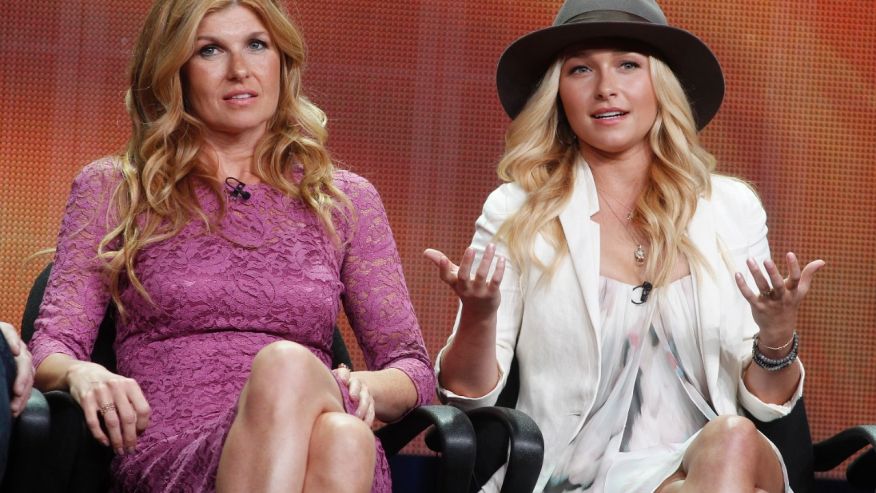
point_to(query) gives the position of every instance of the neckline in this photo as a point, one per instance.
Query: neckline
(617, 281)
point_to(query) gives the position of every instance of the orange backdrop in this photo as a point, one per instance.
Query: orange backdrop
(409, 89)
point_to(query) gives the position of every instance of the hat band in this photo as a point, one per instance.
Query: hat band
(606, 16)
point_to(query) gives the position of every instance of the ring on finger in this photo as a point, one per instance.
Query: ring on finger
(767, 293)
(107, 407)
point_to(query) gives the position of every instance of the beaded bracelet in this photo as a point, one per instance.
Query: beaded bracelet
(770, 364)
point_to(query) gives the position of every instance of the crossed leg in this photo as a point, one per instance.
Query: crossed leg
(729, 455)
(291, 432)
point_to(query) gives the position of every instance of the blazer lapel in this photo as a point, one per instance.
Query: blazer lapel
(582, 236)
(702, 232)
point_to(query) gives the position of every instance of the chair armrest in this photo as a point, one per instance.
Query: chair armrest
(27, 446)
(833, 451)
(862, 471)
(33, 424)
(451, 435)
(504, 432)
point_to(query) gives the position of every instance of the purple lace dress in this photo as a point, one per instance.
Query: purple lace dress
(269, 273)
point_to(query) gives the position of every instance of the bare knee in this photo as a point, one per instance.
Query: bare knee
(341, 439)
(733, 434)
(726, 440)
(730, 452)
(286, 374)
(345, 432)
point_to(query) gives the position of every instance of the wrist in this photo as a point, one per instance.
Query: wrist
(775, 358)
(75, 370)
(776, 344)
(471, 316)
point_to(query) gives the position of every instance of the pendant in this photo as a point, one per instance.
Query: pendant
(639, 255)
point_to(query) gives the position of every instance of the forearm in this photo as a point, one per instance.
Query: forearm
(392, 390)
(469, 366)
(53, 372)
(774, 342)
(772, 387)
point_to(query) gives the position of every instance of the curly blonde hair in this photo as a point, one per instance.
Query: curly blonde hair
(161, 167)
(540, 153)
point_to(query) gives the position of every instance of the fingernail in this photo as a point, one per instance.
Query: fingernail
(130, 450)
(120, 451)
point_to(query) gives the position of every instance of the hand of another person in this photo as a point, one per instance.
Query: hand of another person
(479, 294)
(117, 399)
(775, 308)
(358, 392)
(23, 367)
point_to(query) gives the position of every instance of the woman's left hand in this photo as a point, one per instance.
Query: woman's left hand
(359, 393)
(775, 308)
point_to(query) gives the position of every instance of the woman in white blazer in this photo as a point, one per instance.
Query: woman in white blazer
(621, 272)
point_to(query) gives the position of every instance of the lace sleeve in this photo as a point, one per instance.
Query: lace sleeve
(76, 297)
(376, 297)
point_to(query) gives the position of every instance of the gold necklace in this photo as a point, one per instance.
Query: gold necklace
(639, 254)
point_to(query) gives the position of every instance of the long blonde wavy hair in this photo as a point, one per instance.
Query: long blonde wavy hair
(540, 154)
(162, 163)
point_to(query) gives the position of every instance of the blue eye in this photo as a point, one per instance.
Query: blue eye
(257, 45)
(208, 51)
(579, 69)
(630, 65)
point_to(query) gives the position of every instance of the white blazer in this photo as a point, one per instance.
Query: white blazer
(554, 327)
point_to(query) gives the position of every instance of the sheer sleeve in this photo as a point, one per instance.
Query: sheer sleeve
(375, 295)
(76, 296)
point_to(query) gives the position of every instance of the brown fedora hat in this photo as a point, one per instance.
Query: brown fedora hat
(525, 61)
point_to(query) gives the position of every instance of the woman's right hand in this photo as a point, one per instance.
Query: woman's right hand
(480, 293)
(117, 399)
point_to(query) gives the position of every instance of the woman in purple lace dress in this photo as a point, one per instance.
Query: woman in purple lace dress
(228, 242)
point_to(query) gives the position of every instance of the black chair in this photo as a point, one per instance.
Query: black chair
(803, 458)
(502, 427)
(28, 441)
(790, 434)
(73, 461)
